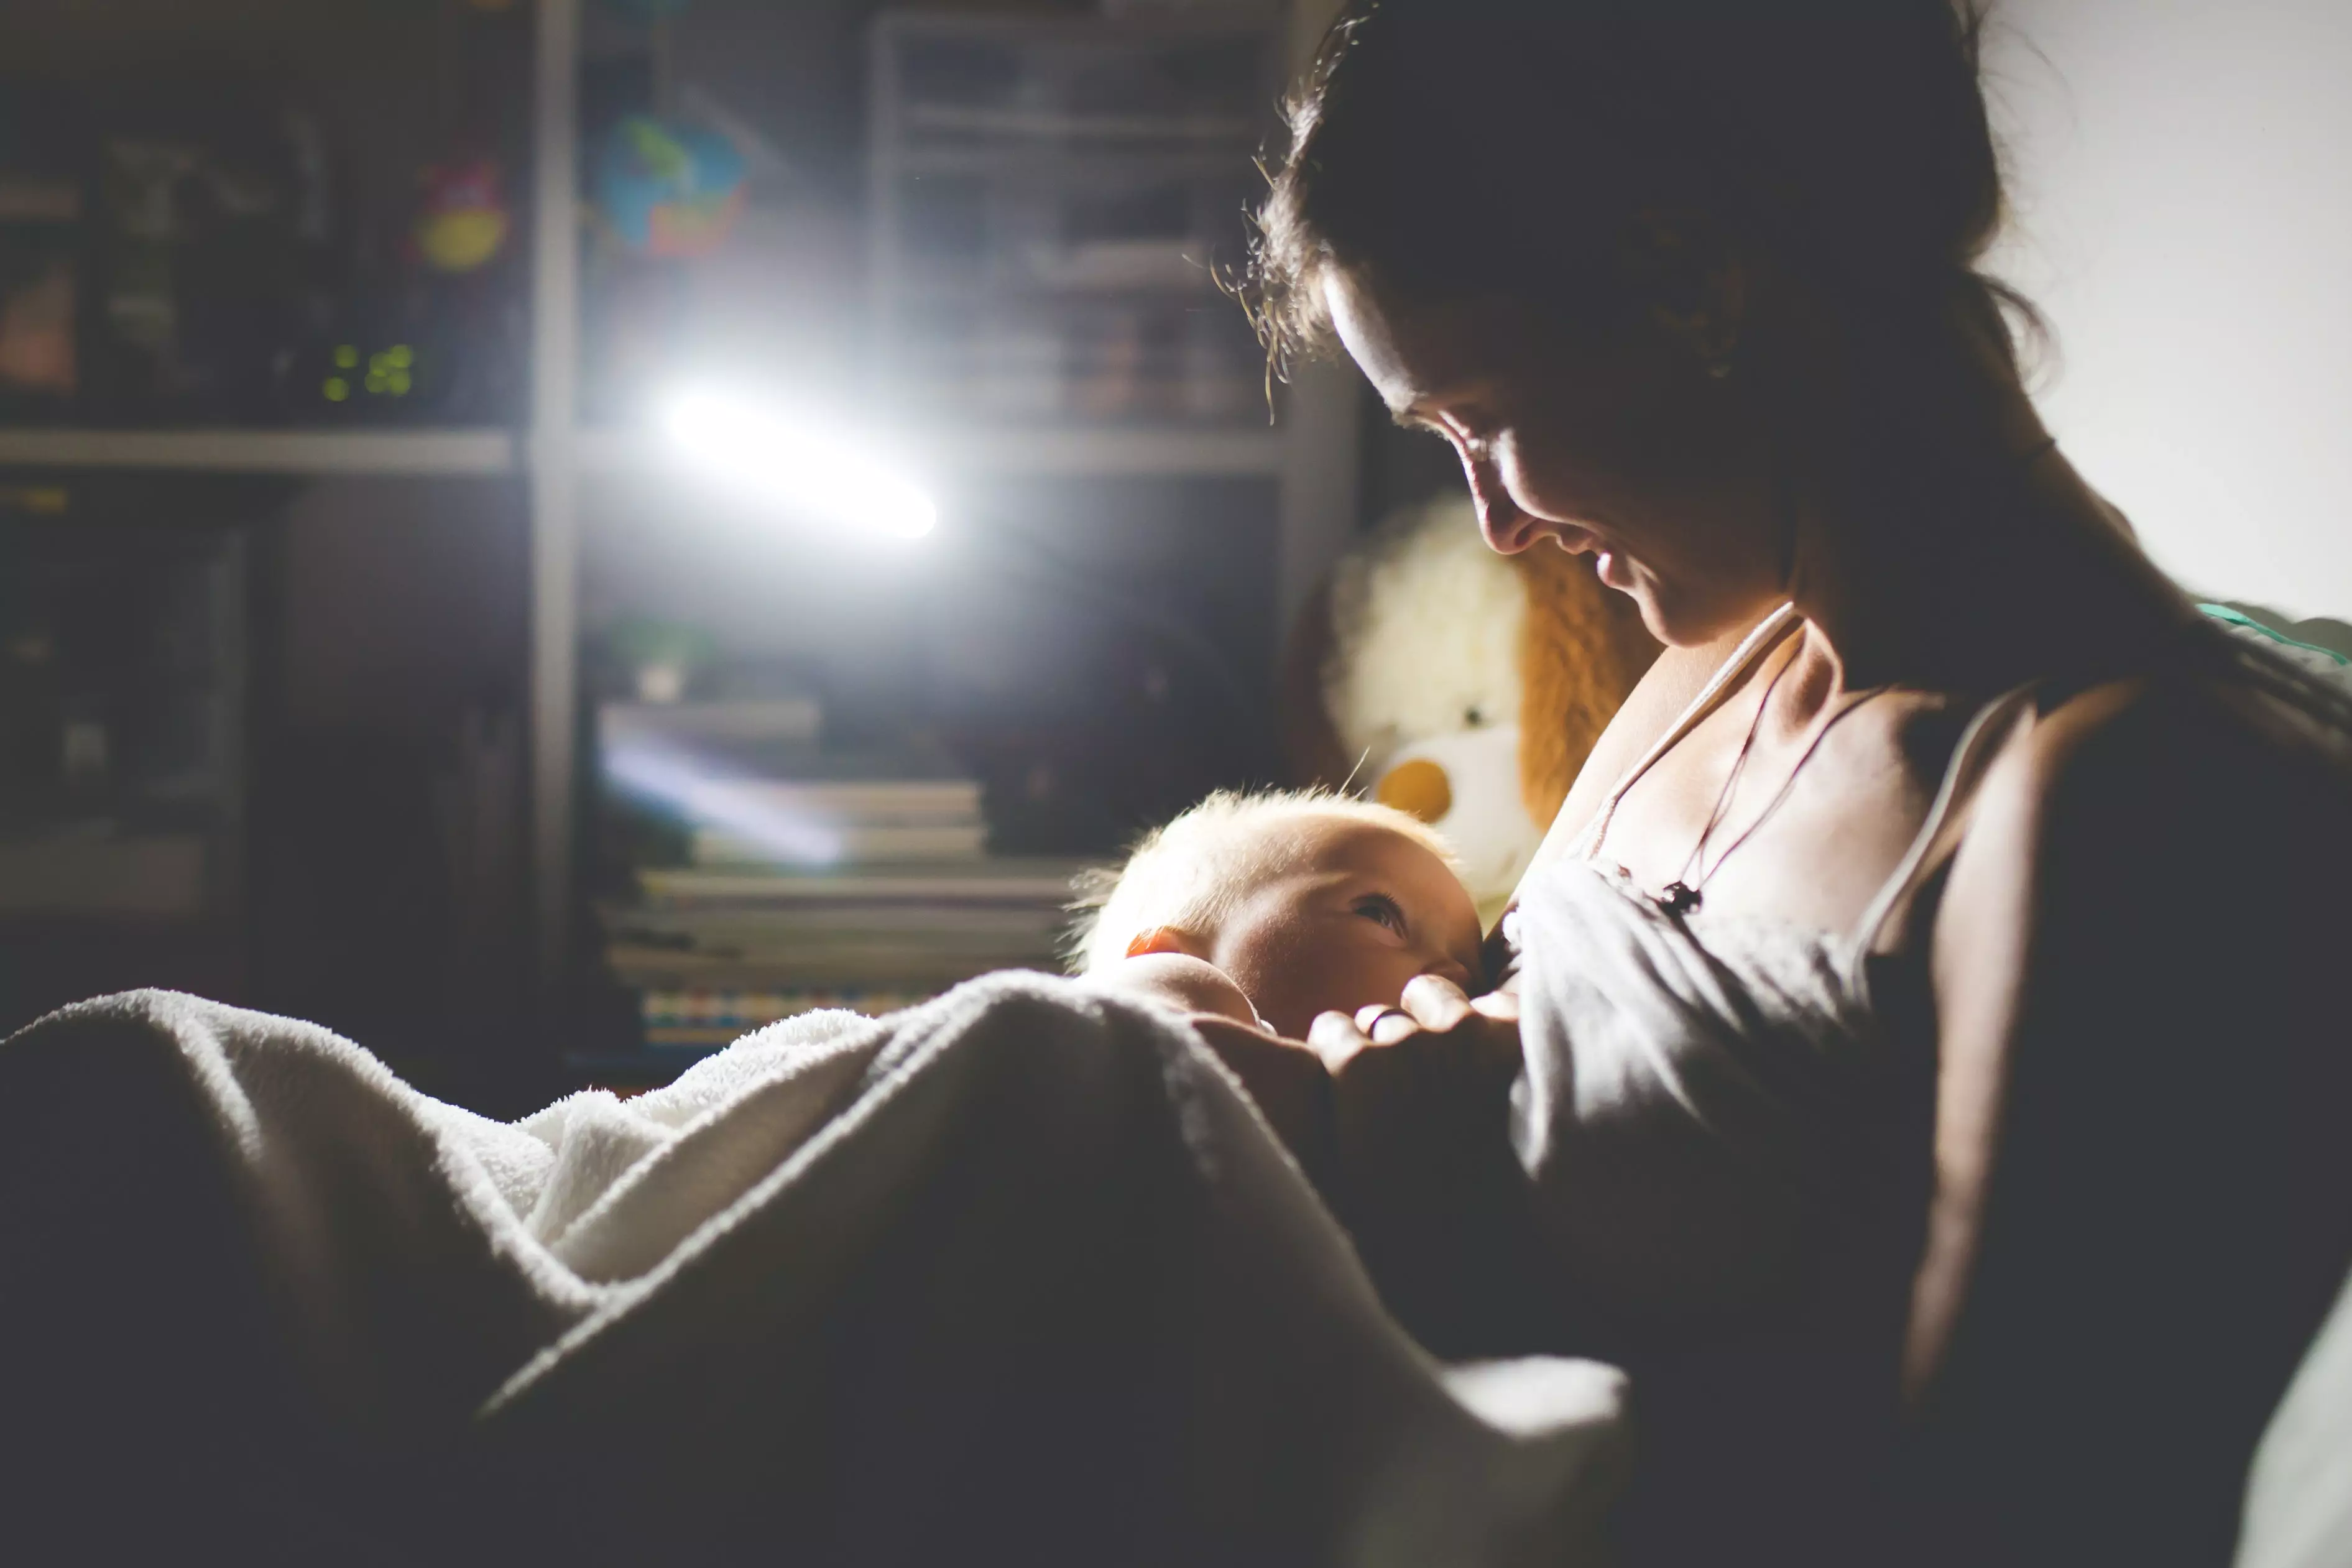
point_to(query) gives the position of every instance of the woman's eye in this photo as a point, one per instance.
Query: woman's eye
(1380, 907)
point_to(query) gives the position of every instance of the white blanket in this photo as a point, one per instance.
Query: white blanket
(1019, 1276)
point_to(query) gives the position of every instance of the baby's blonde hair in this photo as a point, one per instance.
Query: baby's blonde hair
(1191, 872)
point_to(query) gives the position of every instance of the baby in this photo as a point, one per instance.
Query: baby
(1273, 907)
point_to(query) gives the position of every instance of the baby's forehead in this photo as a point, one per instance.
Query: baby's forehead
(1324, 845)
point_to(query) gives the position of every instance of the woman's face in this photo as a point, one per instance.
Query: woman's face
(1612, 442)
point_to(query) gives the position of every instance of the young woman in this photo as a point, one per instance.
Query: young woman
(1927, 1059)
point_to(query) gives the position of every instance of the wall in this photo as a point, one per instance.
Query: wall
(2183, 177)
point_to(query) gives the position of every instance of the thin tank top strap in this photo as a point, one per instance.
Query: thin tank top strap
(1753, 647)
(1933, 845)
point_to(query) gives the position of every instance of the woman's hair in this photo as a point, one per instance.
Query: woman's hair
(1191, 871)
(1455, 150)
(1459, 149)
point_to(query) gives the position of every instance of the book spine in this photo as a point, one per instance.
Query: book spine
(673, 1014)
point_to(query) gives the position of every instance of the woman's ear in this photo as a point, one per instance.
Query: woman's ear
(1689, 275)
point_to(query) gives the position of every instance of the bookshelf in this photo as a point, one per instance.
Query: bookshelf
(1310, 456)
(366, 453)
(1013, 450)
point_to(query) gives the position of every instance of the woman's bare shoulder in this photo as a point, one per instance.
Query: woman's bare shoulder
(2149, 799)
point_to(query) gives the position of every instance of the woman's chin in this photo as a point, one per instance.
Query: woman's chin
(1656, 612)
(1681, 621)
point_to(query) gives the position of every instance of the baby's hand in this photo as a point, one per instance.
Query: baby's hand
(1180, 981)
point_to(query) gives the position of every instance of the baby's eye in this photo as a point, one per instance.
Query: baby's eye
(1380, 907)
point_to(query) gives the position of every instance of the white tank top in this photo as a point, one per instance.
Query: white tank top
(1721, 1130)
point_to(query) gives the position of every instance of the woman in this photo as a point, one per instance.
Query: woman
(1945, 851)
(1920, 1075)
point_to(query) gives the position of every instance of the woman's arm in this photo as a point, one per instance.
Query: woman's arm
(1291, 1089)
(2144, 1199)
(1423, 1172)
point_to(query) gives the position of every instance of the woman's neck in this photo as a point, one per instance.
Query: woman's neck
(1942, 542)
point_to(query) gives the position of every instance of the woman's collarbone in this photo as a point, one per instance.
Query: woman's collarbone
(1821, 857)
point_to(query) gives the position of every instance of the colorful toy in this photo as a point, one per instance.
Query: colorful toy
(363, 376)
(1457, 685)
(464, 223)
(669, 190)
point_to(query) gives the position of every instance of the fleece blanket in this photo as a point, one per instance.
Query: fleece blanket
(1019, 1276)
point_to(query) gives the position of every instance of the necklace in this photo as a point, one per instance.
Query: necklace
(1682, 895)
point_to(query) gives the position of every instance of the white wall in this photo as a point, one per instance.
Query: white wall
(2183, 178)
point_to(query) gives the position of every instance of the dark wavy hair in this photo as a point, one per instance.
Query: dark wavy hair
(1457, 149)
(1454, 150)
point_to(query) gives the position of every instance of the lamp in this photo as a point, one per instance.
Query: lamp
(775, 455)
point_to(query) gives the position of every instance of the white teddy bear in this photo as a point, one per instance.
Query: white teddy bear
(1423, 688)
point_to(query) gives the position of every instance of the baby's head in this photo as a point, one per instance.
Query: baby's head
(1309, 901)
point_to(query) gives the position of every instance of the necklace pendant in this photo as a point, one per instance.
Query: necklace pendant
(1679, 898)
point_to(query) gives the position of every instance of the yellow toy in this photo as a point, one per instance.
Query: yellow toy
(463, 223)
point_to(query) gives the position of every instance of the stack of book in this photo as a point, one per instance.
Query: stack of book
(814, 879)
(822, 816)
(714, 951)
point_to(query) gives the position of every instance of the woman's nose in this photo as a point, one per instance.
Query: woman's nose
(1508, 529)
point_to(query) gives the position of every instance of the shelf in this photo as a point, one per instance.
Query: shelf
(1064, 452)
(382, 452)
(1229, 165)
(1185, 292)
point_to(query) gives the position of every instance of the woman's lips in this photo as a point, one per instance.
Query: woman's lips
(1608, 564)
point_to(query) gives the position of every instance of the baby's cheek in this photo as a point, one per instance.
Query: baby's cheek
(1286, 979)
(1349, 979)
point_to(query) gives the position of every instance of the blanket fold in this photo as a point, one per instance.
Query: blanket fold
(1018, 1275)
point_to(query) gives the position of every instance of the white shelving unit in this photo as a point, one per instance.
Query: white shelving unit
(1014, 450)
(1313, 457)
(354, 452)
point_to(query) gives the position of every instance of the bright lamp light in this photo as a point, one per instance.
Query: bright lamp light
(798, 463)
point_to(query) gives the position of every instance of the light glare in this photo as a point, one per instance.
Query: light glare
(709, 796)
(769, 454)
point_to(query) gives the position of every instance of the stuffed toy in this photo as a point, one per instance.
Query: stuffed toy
(1462, 686)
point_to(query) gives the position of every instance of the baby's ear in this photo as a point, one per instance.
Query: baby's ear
(1162, 939)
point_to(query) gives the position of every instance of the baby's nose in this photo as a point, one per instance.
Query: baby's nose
(1453, 969)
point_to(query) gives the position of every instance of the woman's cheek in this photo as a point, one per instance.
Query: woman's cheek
(1540, 474)
(1519, 481)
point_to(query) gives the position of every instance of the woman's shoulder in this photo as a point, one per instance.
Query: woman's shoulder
(2156, 794)
(2183, 738)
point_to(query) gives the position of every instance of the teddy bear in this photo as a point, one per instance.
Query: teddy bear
(1463, 687)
